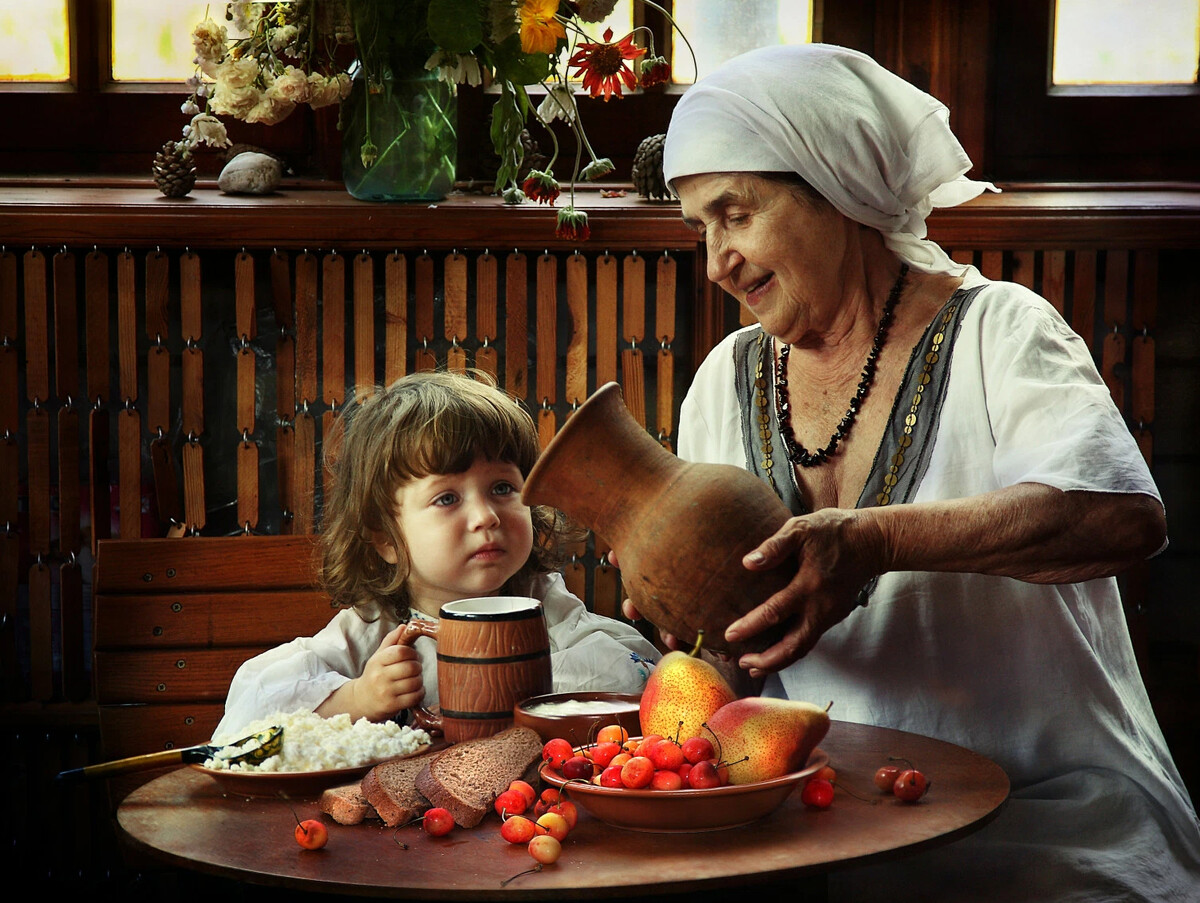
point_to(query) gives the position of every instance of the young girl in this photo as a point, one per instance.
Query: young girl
(425, 508)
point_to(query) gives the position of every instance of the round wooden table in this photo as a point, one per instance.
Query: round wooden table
(185, 819)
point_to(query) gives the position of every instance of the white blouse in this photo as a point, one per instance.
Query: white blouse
(1042, 679)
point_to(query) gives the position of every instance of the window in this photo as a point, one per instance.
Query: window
(1117, 42)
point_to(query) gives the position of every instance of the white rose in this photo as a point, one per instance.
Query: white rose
(210, 130)
(238, 73)
(235, 102)
(283, 37)
(270, 110)
(291, 86)
(209, 40)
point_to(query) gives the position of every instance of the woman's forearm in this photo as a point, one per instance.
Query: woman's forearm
(1029, 531)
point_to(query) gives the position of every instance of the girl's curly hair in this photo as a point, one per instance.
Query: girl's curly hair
(422, 424)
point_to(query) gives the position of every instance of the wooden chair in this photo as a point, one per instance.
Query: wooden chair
(174, 618)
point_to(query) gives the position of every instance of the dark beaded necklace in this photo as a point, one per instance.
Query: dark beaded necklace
(796, 452)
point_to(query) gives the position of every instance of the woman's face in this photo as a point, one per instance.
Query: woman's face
(777, 251)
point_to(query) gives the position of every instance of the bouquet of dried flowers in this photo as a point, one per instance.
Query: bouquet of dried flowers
(282, 54)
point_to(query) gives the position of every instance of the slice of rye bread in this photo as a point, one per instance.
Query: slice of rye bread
(346, 805)
(390, 788)
(467, 777)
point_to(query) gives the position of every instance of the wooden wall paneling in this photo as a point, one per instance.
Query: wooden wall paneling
(307, 330)
(285, 342)
(158, 388)
(1145, 313)
(1054, 278)
(364, 325)
(633, 317)
(1112, 357)
(1023, 264)
(664, 333)
(991, 264)
(191, 320)
(454, 323)
(426, 358)
(37, 464)
(607, 270)
(246, 313)
(10, 426)
(395, 318)
(516, 325)
(577, 344)
(304, 473)
(1083, 296)
(99, 388)
(487, 313)
(546, 346)
(129, 425)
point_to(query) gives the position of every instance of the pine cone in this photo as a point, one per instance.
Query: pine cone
(648, 170)
(533, 157)
(174, 169)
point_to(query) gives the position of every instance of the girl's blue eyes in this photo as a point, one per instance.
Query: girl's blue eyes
(449, 498)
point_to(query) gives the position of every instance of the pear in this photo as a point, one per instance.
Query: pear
(682, 688)
(763, 738)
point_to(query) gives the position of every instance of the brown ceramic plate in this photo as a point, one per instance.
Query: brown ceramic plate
(571, 715)
(297, 784)
(685, 811)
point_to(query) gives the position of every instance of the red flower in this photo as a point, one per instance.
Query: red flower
(655, 71)
(541, 186)
(602, 64)
(573, 225)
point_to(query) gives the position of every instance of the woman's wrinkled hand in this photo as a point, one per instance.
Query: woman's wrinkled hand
(837, 551)
(391, 680)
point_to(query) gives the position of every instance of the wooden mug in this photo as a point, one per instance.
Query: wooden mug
(493, 652)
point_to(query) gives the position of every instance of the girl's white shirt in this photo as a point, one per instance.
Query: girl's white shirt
(587, 652)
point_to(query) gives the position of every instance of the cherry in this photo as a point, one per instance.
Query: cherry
(556, 825)
(620, 759)
(311, 834)
(696, 749)
(817, 793)
(885, 777)
(525, 790)
(577, 767)
(545, 849)
(644, 745)
(611, 777)
(666, 755)
(567, 810)
(910, 786)
(518, 829)
(825, 773)
(704, 775)
(556, 752)
(511, 802)
(666, 780)
(603, 753)
(612, 733)
(438, 822)
(637, 772)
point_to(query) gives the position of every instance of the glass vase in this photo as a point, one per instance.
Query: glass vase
(399, 137)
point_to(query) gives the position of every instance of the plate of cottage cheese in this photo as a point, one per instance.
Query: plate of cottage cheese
(316, 753)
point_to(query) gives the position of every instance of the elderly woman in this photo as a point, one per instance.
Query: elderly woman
(963, 486)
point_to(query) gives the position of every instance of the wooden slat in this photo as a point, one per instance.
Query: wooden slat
(1023, 267)
(516, 326)
(129, 472)
(306, 328)
(1083, 297)
(75, 685)
(991, 264)
(69, 486)
(664, 317)
(395, 317)
(247, 497)
(1145, 290)
(633, 310)
(303, 473)
(170, 676)
(158, 389)
(157, 279)
(192, 360)
(194, 511)
(1116, 288)
(454, 321)
(1054, 278)
(66, 327)
(606, 319)
(577, 343)
(37, 335)
(486, 313)
(37, 463)
(134, 730)
(99, 477)
(281, 292)
(126, 328)
(285, 465)
(41, 632)
(236, 618)
(546, 363)
(423, 312)
(364, 326)
(166, 482)
(333, 329)
(204, 563)
(10, 554)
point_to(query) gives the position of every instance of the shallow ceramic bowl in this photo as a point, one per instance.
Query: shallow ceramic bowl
(685, 811)
(572, 716)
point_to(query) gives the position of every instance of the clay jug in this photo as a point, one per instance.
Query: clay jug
(493, 652)
(680, 529)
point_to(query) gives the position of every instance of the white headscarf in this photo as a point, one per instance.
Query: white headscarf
(877, 148)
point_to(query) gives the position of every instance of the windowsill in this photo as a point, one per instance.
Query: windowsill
(108, 211)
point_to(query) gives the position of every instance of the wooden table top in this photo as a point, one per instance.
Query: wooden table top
(185, 819)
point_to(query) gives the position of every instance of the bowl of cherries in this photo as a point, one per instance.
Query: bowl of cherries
(655, 784)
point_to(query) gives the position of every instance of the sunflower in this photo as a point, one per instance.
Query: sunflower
(540, 30)
(602, 64)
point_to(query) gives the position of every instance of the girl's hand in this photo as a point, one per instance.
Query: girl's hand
(837, 552)
(390, 682)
